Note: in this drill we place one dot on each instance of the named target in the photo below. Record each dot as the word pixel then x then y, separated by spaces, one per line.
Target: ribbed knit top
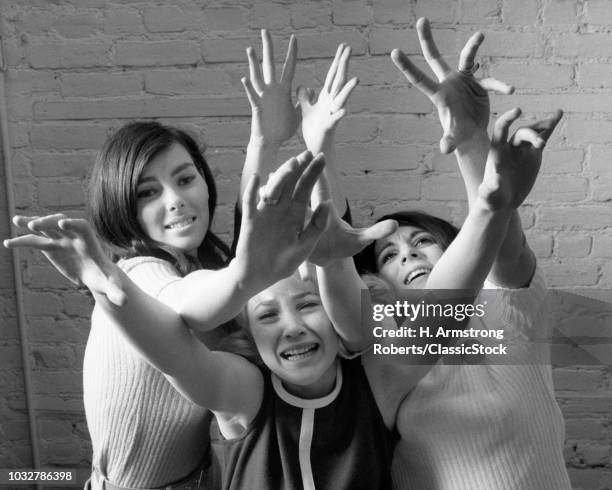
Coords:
pixel 484 426
pixel 144 433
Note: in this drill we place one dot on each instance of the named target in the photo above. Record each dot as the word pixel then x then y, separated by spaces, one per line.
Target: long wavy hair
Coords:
pixel 113 205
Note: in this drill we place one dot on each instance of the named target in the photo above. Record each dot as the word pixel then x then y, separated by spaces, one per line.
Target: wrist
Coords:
pixel 479 140
pixel 247 283
pixel 485 207
pixel 264 143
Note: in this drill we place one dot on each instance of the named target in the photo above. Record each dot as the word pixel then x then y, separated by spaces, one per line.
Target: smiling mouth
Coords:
pixel 415 274
pixel 299 353
pixel 180 224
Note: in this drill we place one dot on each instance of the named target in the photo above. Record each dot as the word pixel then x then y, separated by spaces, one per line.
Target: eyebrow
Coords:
pixel 272 302
pixel 177 170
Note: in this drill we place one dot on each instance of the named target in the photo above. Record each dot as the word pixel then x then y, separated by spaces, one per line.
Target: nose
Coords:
pixel 174 201
pixel 294 326
pixel 410 253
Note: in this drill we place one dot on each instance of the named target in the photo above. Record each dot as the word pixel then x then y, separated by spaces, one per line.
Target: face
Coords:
pixel 406 258
pixel 173 200
pixel 295 337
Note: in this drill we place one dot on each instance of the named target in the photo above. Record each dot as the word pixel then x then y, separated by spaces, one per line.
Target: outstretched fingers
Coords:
pixel 307 180
pixel 331 73
pixel 340 78
pixel 494 85
pixel 269 72
pixel 414 75
pixel 255 75
pixel 290 63
pixel 38 242
pixel 251 92
pixel 345 93
pixel 468 53
pixel 433 57
pixel 377 231
pixel 502 126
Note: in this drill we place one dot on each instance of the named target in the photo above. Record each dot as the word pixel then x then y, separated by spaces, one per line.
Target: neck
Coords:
pixel 319 388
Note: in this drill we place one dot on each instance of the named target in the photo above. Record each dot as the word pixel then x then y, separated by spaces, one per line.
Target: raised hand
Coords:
pixel 275 118
pixel 461 99
pixel 321 114
pixel 341 240
pixel 274 239
pixel 73 249
pixel 513 162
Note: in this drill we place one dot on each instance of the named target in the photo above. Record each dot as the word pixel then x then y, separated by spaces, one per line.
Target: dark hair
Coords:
pixel 113 204
pixel 443 232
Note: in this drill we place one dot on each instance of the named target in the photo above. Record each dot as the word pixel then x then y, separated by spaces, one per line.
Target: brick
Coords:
pixel 598 12
pixel 559 189
pixel 228 134
pixel 10 353
pixel 536 75
pixel 47 330
pixel 578 131
pixel 310 15
pixel 77 304
pixel 348 13
pixel 225 161
pixel 393 12
pixel 602 246
pixel 594 75
pixel 78 25
pixel 411 128
pixel 600 159
pixel 383 41
pixel 521 13
pixel 229 50
pixel 150 107
pixel 544 103
pixel 382 187
pixel 23 194
pixel 582 45
pixel 60 404
pixel 269 16
pixel 596 454
pixel 574 273
pixel 61 194
pixel 584 428
pixel 400 100
pixel 573 246
pixel 54 357
pixel 68 136
pixel 443 188
pixel 436 10
pixel 479 11
pixel 160 53
pixel 562 161
pixel 541 245
pixel 123 21
pixel 377 70
pixel 166 19
pixel 511 44
pixel 324 44
pixel 19 108
pixel 69 55
pixel 57 382
pixel 14 53
pixel 200 81
pixel 19 135
pixel 23 81
pixel 75 165
pixel 379 157
pixel 359 129
pixel 36 23
pixel 225 18
pixel 42 304
pixel 559 12
pixel 574 217
pixel 100 84
pixel 602 188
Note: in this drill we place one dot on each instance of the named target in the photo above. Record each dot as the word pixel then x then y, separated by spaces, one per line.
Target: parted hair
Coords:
pixel 113 204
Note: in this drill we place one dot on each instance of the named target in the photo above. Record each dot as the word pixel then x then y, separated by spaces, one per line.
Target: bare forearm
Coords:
pixel 340 286
pixel 514 262
pixel 261 158
pixel 467 261
pixel 328 147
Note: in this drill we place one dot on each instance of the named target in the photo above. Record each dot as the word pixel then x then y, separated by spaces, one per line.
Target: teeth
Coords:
pixel 180 224
pixel 415 273
pixel 301 353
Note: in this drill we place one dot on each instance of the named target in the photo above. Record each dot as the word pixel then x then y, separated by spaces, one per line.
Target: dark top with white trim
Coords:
pixel 335 442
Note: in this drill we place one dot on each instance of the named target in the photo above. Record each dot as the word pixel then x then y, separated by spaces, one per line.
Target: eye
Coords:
pixel 387 256
pixel 308 305
pixel 186 179
pixel 145 193
pixel 424 241
pixel 267 316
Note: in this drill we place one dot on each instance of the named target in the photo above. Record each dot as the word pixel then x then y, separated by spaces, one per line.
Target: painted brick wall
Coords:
pixel 77 70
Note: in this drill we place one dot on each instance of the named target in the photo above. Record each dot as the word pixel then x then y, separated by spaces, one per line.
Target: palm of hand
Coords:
pixel 463 107
pixel 276 118
pixel 317 120
pixel 339 241
pixel 510 175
